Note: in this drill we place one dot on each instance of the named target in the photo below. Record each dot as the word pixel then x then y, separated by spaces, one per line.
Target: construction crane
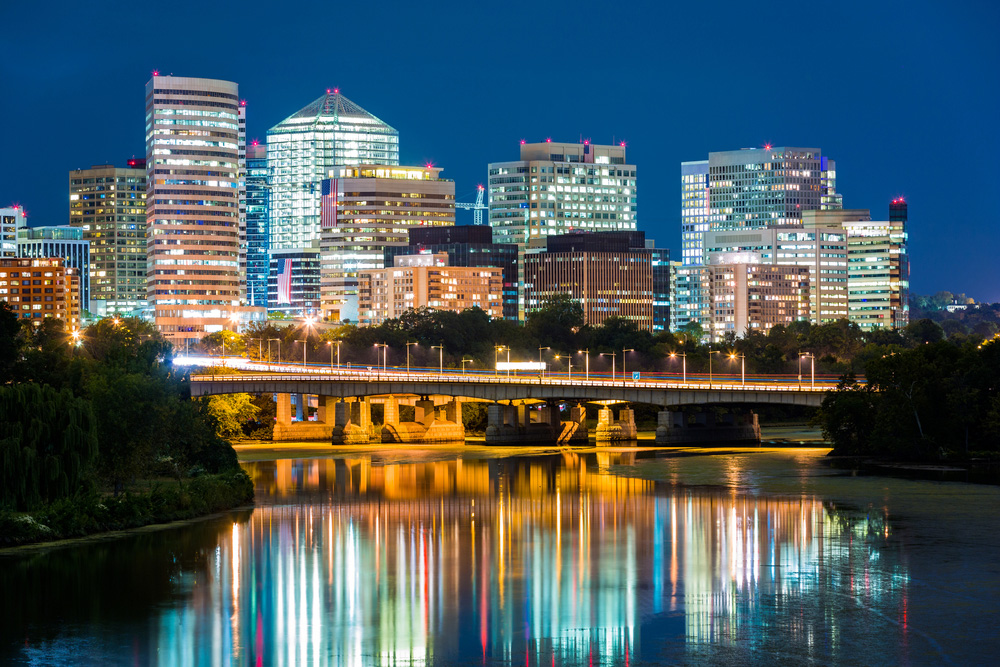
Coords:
pixel 477 208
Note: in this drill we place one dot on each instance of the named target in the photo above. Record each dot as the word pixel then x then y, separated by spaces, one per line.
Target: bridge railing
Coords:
pixel 378 375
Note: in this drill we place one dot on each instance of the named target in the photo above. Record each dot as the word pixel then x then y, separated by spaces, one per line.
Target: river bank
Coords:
pixel 97 515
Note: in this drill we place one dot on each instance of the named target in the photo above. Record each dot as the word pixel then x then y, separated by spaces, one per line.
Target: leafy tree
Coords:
pixel 232 412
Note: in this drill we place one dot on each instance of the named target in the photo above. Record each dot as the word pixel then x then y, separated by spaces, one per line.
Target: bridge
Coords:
pixel 523 408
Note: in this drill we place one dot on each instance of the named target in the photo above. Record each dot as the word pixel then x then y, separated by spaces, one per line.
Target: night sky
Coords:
pixel 903 95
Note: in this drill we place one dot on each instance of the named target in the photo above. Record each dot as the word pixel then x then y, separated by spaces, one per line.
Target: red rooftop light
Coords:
pixel 767 147
pixel 336 91
pixel 548 140
pixel 522 142
pixel 156 72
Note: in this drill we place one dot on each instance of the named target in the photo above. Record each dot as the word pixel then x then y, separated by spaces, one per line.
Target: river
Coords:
pixel 533 557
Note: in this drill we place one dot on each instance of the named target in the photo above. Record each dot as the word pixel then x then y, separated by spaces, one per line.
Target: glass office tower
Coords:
pixel 258 224
pixel 304 148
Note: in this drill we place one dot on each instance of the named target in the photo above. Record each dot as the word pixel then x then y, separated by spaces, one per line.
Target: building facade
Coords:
pixel 12 218
pixel 257 224
pixel 823 250
pixel 878 278
pixel 694 210
pixel 303 150
pixel 108 204
pixel 39 288
pixel 558 188
pixel 193 140
pixel 419 281
pixel 755 297
pixel 465 245
pixel 367 208
pixel 611 274
pixel 293 283
pixel 66 243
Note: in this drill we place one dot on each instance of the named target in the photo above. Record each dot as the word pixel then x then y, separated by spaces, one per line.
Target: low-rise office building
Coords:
pixel 418 281
pixel 37 288
pixel 755 297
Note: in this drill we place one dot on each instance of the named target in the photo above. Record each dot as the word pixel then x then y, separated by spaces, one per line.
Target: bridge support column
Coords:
pixel 284 409
pixel 347 431
pixel 453 411
pixel 301 411
pixel 423 412
pixel 610 430
pixel 390 411
pixel 675 428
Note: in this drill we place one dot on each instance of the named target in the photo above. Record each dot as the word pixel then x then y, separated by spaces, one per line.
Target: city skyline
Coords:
pixel 898 86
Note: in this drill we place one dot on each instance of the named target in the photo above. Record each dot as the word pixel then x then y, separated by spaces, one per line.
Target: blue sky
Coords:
pixel 903 95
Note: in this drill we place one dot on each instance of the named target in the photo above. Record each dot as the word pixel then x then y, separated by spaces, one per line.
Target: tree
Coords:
pixel 232 412
pixel 848 416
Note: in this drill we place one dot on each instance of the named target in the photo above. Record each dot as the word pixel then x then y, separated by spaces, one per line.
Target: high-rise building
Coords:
pixel 257 224
pixel 557 188
pixel 12 218
pixel 611 274
pixel 465 245
pixel 878 273
pixel 192 205
pixel 750 189
pixel 689 300
pixel 755 297
pixel 427 281
pixel 823 250
pixel 302 150
pixel 366 208
pixel 694 210
pixel 243 198
pixel 108 204
pixel 66 243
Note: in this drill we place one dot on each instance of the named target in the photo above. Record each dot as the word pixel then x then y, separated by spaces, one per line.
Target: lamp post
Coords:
pixel 569 361
pixel 303 341
pixel 812 368
pixel 587 353
pixel 269 349
pixel 614 356
pixel 710 353
pixel 743 366
pixel 440 349
pixel 408 357
pixel 684 364
pixel 624 350
pixel 496 350
pixel 464 362
pixel 331 343
pixel 541 369
pixel 385 352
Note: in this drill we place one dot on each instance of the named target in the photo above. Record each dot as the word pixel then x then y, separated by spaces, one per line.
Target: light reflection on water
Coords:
pixel 532 560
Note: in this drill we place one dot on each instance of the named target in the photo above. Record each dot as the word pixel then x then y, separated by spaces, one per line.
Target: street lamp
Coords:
pixel 440 349
pixel 464 362
pixel 569 360
pixel 684 364
pixel 613 355
pixel 303 341
pixel 541 369
pixel 269 349
pixel 586 352
pixel 624 350
pixel 331 343
pixel 408 357
pixel 496 350
pixel 385 353
pixel 743 366
pixel 710 353
pixel 812 369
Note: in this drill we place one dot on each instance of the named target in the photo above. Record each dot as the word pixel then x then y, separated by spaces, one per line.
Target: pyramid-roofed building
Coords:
pixel 332 131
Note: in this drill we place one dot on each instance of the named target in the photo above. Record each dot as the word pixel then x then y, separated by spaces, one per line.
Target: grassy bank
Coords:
pixel 157 502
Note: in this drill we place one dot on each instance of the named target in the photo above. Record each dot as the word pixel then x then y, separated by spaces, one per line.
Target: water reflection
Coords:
pixel 535 560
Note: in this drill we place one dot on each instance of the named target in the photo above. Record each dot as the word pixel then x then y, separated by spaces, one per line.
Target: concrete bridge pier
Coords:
pixel 432 423
pixel 287 429
pixel 352 423
pixel 677 428
pixel 610 430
